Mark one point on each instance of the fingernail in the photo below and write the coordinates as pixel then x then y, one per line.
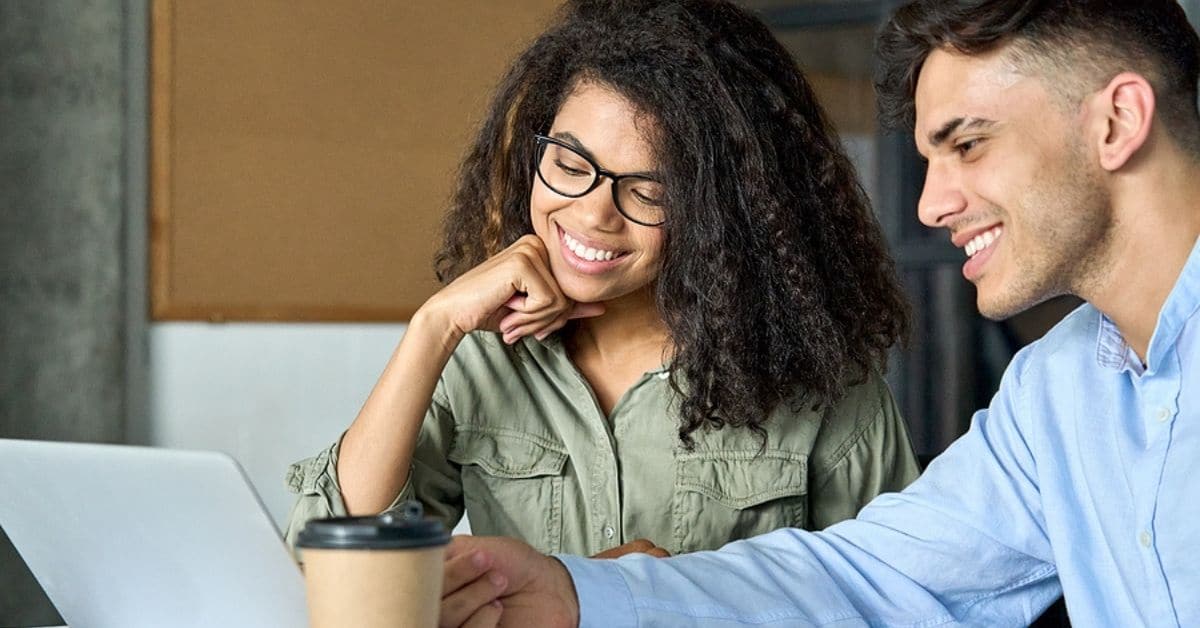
pixel 480 560
pixel 497 580
pixel 497 604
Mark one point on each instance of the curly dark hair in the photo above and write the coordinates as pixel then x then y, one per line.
pixel 776 284
pixel 1079 44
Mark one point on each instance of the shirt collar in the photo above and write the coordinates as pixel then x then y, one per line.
pixel 1113 352
pixel 554 344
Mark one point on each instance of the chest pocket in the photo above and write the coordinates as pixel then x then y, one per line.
pixel 724 496
pixel 512 485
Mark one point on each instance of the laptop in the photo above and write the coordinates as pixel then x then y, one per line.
pixel 126 536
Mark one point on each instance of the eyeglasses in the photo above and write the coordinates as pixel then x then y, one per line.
pixel 568 172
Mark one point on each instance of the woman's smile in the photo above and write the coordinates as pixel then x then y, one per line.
pixel 587 256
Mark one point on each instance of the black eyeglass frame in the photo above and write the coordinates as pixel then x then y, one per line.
pixel 539 152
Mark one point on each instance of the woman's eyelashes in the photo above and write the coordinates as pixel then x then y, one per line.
pixel 647 196
pixel 572 171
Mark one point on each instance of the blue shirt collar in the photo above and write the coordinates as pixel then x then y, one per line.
pixel 1113 352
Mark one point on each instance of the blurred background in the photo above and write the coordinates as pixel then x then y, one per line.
pixel 100 338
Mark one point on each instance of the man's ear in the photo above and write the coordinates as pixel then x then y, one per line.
pixel 1123 112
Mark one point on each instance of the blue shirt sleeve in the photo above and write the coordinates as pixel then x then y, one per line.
pixel 965 544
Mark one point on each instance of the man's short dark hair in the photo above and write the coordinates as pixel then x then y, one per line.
pixel 1079 44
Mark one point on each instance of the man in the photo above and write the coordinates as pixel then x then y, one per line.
pixel 1063 145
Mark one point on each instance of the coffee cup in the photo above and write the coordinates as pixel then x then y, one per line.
pixel 374 572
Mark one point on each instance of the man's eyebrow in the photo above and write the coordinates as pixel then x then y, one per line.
pixel 940 135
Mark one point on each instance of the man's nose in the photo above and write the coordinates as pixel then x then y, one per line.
pixel 941 198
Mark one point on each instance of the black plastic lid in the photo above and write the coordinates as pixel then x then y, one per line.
pixel 400 529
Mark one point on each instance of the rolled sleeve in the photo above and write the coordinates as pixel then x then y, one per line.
pixel 432 480
pixel 315 481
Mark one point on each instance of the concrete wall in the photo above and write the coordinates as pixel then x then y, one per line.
pixel 62 266
pixel 71 346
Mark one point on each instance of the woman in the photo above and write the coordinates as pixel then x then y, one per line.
pixel 667 305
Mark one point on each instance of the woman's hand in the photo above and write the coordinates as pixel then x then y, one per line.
pixel 513 292
pixel 637 546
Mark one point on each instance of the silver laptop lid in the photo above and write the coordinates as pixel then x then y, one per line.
pixel 133 536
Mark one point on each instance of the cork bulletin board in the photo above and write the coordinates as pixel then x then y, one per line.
pixel 302 151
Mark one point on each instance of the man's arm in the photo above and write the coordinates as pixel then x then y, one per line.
pixel 965 544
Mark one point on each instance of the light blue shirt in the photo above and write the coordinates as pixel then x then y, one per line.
pixel 1082 476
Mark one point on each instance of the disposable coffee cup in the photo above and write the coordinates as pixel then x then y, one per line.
pixel 374 572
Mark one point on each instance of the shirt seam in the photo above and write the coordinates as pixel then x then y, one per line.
pixel 741 454
pixel 1023 402
pixel 491 430
pixel 715 612
pixel 1048 570
pixel 825 476
pixel 710 612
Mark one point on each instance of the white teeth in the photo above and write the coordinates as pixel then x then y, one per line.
pixel 982 241
pixel 586 252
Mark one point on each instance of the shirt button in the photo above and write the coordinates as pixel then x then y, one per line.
pixel 1163 415
pixel 1145 539
pixel 609 532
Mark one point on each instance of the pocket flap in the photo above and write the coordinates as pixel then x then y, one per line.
pixel 508 454
pixel 741 479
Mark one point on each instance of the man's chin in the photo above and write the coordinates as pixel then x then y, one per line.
pixel 997 315
pixel 998 307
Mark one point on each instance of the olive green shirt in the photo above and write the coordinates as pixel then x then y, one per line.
pixel 514 436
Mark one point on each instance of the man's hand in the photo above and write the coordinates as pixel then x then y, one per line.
pixel 637 546
pixel 497 581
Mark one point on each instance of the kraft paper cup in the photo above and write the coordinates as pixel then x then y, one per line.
pixel 374 572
